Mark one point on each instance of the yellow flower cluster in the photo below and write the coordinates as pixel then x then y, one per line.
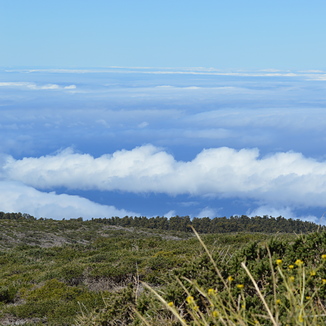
pixel 323 257
pixel 211 291
pixel 299 262
pixel 190 299
pixel 215 313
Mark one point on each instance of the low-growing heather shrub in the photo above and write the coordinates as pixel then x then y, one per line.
pixel 54 301
pixel 263 283
pixel 266 288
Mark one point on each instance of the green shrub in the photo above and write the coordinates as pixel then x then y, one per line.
pixel 55 301
pixel 271 293
pixel 118 310
pixel 8 294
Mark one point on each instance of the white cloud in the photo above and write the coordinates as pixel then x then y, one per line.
pixel 283 178
pixel 103 123
pixel 284 211
pixel 276 118
pixel 14 84
pixel 33 86
pixel 207 212
pixel 143 124
pixel 70 87
pixel 17 197
pixel 271 211
pixel 47 86
pixel 170 71
pixel 169 87
pixel 170 214
pixel 308 74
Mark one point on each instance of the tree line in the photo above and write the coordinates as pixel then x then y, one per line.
pixel 241 223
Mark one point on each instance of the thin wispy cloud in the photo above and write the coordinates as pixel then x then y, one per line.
pixel 305 75
pixel 173 70
pixel 32 86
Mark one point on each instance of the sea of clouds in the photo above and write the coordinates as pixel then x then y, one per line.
pixel 201 134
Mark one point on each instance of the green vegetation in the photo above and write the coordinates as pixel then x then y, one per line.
pixel 216 225
pixel 114 272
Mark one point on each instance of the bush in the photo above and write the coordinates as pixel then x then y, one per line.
pixel 271 293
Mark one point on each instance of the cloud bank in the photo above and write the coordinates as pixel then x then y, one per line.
pixel 285 178
pixel 105 110
pixel 17 197
pixel 230 113
pixel 284 211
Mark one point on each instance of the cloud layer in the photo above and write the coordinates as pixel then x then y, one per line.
pixel 17 197
pixel 282 178
pixel 180 112
pixel 100 111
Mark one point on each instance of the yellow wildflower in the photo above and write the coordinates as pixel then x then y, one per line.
pixel 230 278
pixel 278 301
pixel 323 281
pixel 278 261
pixel 299 262
pixel 313 273
pixel 291 278
pixel 211 291
pixel 240 286
pixel 291 266
pixel 323 257
pixel 190 299
pixel 170 304
pixel 215 313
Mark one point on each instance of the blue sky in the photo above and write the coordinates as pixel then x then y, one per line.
pixel 210 33
pixel 150 108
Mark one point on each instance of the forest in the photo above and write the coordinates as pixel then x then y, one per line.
pixel 241 223
pixel 159 271
pixel 216 225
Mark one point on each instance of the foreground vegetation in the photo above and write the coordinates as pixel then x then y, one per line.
pixel 77 272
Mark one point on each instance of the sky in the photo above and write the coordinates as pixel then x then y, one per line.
pixel 162 108
pixel 232 34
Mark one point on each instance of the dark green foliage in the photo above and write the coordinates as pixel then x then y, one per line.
pixel 260 258
pixel 118 310
pixel 52 300
pixel 216 225
pixel 7 294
